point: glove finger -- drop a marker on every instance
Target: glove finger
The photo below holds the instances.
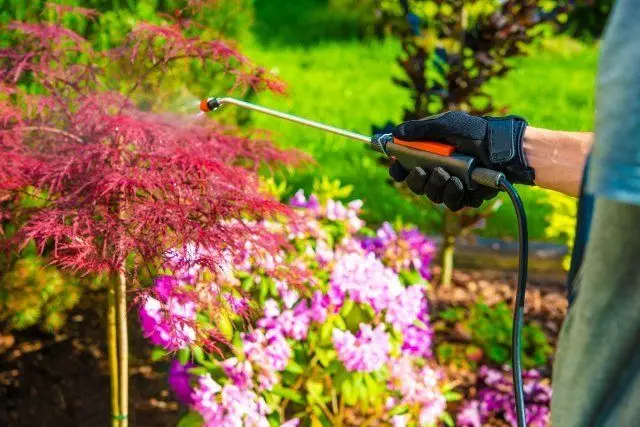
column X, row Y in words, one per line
column 475, row 202
column 477, row 197
column 398, row 172
column 434, row 189
column 451, row 124
column 453, row 194
column 417, row 179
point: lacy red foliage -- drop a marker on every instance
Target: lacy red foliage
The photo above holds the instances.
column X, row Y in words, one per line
column 63, row 9
column 120, row 184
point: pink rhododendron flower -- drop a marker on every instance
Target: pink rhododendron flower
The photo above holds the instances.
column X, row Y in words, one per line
column 229, row 405
column 367, row 351
column 418, row 386
column 168, row 321
column 366, row 280
column 294, row 422
column 180, row 381
column 240, row 373
column 405, row 308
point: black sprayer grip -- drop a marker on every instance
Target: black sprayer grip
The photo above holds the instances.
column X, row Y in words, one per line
column 487, row 177
column 457, row 164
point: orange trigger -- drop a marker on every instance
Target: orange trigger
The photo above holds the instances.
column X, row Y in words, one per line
column 432, row 147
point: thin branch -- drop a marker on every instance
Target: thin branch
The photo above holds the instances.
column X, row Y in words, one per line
column 52, row 130
column 153, row 68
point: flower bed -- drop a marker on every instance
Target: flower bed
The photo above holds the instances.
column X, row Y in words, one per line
column 344, row 338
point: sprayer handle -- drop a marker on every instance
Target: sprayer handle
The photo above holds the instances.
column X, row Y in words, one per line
column 430, row 155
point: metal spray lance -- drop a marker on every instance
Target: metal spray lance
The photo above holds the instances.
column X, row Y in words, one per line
column 428, row 155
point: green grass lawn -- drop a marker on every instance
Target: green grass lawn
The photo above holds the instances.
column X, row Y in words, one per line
column 347, row 83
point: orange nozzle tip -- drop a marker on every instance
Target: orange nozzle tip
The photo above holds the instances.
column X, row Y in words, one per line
column 204, row 106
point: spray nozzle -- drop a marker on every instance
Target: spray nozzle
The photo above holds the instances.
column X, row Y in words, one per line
column 210, row 104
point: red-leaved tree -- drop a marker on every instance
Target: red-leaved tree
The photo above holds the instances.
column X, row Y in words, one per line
column 118, row 186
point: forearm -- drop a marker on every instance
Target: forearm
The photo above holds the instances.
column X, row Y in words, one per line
column 557, row 157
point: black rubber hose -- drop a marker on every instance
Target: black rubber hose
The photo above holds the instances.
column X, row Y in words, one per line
column 518, row 315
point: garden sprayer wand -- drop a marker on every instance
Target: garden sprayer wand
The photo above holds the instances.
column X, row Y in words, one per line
column 430, row 155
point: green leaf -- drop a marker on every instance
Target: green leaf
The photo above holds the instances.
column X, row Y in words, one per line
column 225, row 326
column 339, row 322
column 325, row 356
column 315, row 390
column 198, row 355
column 349, row 392
column 191, row 419
column 325, row 333
column 274, row 419
column 447, row 419
column 199, row 370
column 347, row 307
column 498, row 354
column 288, row 393
column 452, row 396
column 273, row 289
column 294, row 368
column 183, row 356
column 398, row 410
column 158, row 353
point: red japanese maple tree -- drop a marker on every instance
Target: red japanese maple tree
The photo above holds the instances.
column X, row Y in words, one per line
column 120, row 186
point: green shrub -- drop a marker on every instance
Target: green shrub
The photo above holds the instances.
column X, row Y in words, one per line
column 309, row 22
column 32, row 293
column 486, row 334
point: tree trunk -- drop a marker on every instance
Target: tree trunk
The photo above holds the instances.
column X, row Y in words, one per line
column 123, row 349
column 448, row 248
column 112, row 347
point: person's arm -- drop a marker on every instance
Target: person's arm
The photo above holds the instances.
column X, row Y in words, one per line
column 550, row 159
column 557, row 157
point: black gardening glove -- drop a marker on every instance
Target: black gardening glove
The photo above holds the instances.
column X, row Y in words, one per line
column 496, row 143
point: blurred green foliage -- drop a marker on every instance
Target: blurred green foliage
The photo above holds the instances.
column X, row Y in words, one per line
column 231, row 18
column 485, row 332
column 32, row 293
column 310, row 22
column 588, row 18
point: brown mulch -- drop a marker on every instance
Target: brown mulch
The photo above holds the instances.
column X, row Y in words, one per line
column 545, row 301
column 62, row 379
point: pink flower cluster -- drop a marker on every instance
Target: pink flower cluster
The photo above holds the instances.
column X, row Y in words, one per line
column 169, row 319
column 179, row 381
column 269, row 352
column 228, row 405
column 300, row 201
column 496, row 399
column 417, row 386
column 406, row 249
column 357, row 275
column 367, row 351
column 292, row 323
column 333, row 211
column 364, row 279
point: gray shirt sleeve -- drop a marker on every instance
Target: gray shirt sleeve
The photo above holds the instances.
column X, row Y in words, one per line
column 615, row 159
